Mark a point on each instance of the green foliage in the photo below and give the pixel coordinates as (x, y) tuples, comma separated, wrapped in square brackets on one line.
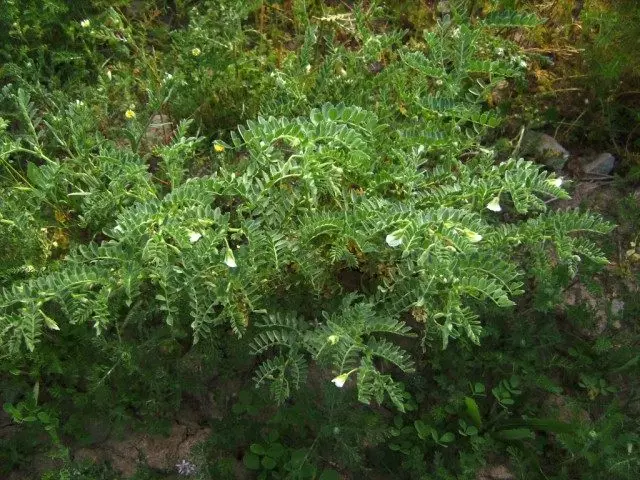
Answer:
[(325, 218)]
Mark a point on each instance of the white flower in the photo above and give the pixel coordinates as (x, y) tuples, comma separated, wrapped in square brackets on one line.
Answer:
[(109, 75), (500, 51), (394, 239), (194, 237), (229, 259), (556, 182), (455, 33), (473, 236), (341, 379), (523, 64), (494, 204), (86, 23), (333, 339), (307, 69)]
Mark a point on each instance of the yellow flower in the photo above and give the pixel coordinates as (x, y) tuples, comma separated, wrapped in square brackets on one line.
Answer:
[(130, 114), (218, 148), (333, 339), (196, 52)]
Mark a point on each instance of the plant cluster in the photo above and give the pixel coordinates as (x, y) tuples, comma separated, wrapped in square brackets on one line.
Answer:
[(353, 251)]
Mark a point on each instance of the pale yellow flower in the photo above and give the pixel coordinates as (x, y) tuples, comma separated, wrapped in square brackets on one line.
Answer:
[(229, 259), (130, 114), (196, 52), (473, 236), (494, 204), (341, 379)]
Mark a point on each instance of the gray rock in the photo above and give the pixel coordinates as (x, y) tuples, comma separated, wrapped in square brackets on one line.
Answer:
[(603, 164), (546, 149), (617, 307)]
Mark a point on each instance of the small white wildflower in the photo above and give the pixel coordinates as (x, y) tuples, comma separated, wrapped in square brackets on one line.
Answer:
[(307, 69), (394, 239), (455, 33), (194, 237), (86, 23), (500, 51), (494, 204), (473, 236), (556, 182), (109, 75), (229, 259), (185, 467), (333, 339), (439, 82), (523, 64), (196, 52)]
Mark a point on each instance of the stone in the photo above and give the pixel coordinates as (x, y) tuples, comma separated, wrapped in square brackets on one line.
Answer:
[(159, 132), (603, 164), (617, 307), (578, 294), (546, 149), (495, 472)]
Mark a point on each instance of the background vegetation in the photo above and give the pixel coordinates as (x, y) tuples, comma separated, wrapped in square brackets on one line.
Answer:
[(311, 236)]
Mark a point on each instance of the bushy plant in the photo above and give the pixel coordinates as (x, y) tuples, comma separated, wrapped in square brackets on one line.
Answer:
[(360, 236)]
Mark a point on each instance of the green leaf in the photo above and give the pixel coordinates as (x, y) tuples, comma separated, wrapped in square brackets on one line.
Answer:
[(423, 429), (276, 450), (251, 461), (257, 449), (473, 411), (447, 437), (269, 463), (35, 176), (329, 475), (515, 434)]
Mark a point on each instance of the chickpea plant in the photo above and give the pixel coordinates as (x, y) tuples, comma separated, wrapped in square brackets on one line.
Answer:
[(267, 248)]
